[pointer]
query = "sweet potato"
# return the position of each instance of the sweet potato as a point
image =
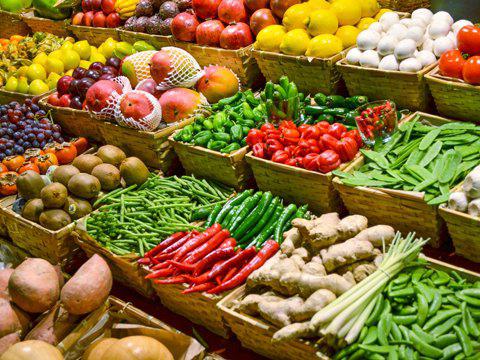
(33, 285)
(4, 277)
(88, 288)
(54, 327)
(12, 319)
(8, 340)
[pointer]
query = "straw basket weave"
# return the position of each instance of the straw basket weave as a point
(404, 5)
(12, 24)
(311, 75)
(296, 185)
(4, 202)
(256, 335)
(230, 169)
(240, 61)
(407, 90)
(55, 27)
(406, 211)
(124, 268)
(74, 122)
(151, 147)
(454, 98)
(94, 35)
(158, 41)
(54, 246)
(8, 96)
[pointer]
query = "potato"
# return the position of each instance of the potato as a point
(32, 350)
(54, 327)
(12, 318)
(96, 350)
(4, 277)
(8, 340)
(33, 285)
(88, 288)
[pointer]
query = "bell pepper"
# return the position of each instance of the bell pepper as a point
(197, 127)
(303, 128)
(255, 136)
(296, 161)
(230, 148)
(219, 120)
(245, 122)
(336, 130)
(310, 162)
(221, 136)
(236, 133)
(314, 146)
(326, 117)
(328, 161)
(272, 146)
(208, 124)
(287, 124)
(259, 150)
(290, 136)
(280, 156)
(216, 145)
(323, 126)
(267, 126)
(313, 132)
(202, 138)
(355, 135)
(329, 142)
(46, 9)
(347, 149)
(302, 149)
(290, 149)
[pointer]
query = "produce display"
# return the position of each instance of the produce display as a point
(95, 13)
(408, 44)
(466, 199)
(318, 28)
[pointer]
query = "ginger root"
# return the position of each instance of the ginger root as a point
(249, 304)
(346, 253)
(315, 302)
(291, 240)
(278, 312)
(306, 284)
(315, 267)
(294, 331)
(377, 235)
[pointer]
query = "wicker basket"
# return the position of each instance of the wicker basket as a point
(158, 41)
(8, 96)
(10, 254)
(94, 35)
(12, 24)
(74, 122)
(296, 185)
(454, 98)
(404, 5)
(124, 268)
(55, 27)
(311, 75)
(240, 61)
(151, 147)
(408, 90)
(230, 169)
(406, 211)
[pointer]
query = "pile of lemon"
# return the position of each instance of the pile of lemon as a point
(318, 28)
(44, 71)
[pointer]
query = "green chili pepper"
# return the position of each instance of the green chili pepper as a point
(335, 101)
(221, 136)
(236, 133)
(202, 138)
(320, 99)
(230, 148)
(216, 145)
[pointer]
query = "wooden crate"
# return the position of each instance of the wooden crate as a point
(151, 147)
(230, 169)
(407, 90)
(55, 27)
(296, 185)
(12, 24)
(453, 97)
(406, 211)
(94, 35)
(404, 5)
(75, 122)
(240, 61)
(158, 41)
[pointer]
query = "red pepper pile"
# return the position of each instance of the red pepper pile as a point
(374, 121)
(321, 147)
(207, 261)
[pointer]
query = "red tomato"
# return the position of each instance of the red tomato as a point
(468, 39)
(471, 70)
(451, 64)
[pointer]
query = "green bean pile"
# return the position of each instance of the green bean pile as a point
(135, 219)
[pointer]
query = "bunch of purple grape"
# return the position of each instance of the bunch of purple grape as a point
(25, 126)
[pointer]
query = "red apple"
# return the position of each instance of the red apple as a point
(113, 20)
(108, 6)
(96, 5)
(53, 99)
(87, 5)
(77, 19)
(99, 20)
(88, 18)
(136, 105)
(63, 84)
(65, 100)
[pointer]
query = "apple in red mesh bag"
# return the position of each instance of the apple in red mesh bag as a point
(136, 105)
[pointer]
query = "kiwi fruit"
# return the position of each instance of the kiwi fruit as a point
(54, 219)
(32, 210)
(77, 208)
(84, 185)
(111, 154)
(108, 175)
(29, 185)
(63, 174)
(54, 195)
(86, 162)
(134, 171)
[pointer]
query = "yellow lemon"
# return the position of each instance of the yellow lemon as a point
(296, 16)
(108, 47)
(36, 72)
(365, 23)
(324, 46)
(41, 59)
(52, 80)
(97, 57)
(38, 87)
(369, 8)
(295, 42)
(318, 4)
(23, 86)
(270, 38)
(57, 54)
(22, 71)
(67, 45)
(349, 12)
(348, 34)
(83, 49)
(70, 59)
(85, 64)
(55, 66)
(12, 84)
(381, 12)
(322, 22)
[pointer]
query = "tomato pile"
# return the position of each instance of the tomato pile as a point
(374, 122)
(464, 63)
(321, 147)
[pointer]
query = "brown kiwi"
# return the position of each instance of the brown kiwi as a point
(108, 175)
(86, 162)
(29, 185)
(77, 208)
(63, 174)
(32, 210)
(54, 219)
(134, 171)
(84, 185)
(111, 154)
(54, 195)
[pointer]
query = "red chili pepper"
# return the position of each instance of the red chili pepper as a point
(230, 242)
(355, 135)
(267, 251)
(219, 254)
(170, 251)
(287, 124)
(255, 136)
(196, 241)
(181, 266)
(207, 247)
(328, 161)
(280, 156)
(267, 127)
(329, 142)
(347, 149)
(199, 288)
(259, 150)
(313, 132)
(161, 265)
(336, 130)
(164, 244)
(273, 145)
(230, 274)
(160, 273)
(323, 126)
(173, 280)
(310, 162)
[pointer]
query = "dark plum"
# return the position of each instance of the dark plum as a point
(107, 77)
(83, 86)
(92, 74)
(113, 61)
(79, 73)
(97, 66)
(109, 70)
(76, 103)
(73, 88)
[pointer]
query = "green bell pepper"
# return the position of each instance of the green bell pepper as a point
(236, 133)
(197, 128)
(219, 120)
(230, 148)
(202, 138)
(221, 136)
(247, 111)
(245, 122)
(207, 124)
(216, 145)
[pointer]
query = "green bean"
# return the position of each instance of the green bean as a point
(445, 340)
(384, 328)
(424, 348)
(439, 318)
(464, 340)
(446, 326)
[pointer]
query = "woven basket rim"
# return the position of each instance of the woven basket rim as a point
(302, 58)
(123, 30)
(14, 93)
(434, 76)
(238, 52)
(91, 28)
(342, 64)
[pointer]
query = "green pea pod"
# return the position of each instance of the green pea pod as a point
(221, 136)
(446, 326)
(216, 145)
(425, 349)
(422, 309)
(236, 133)
(230, 148)
(376, 312)
(371, 336)
(464, 340)
(320, 99)
(470, 323)
(384, 328)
